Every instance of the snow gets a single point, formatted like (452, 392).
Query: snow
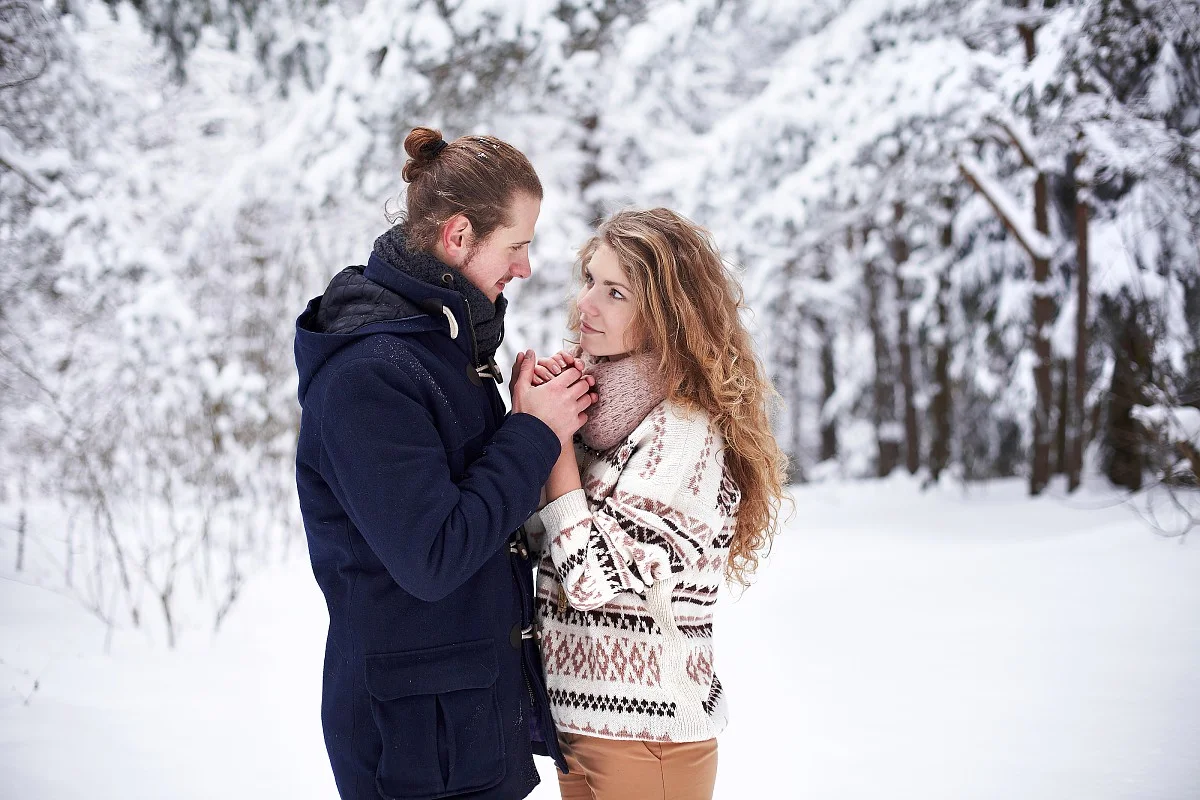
(160, 238)
(947, 644)
(1179, 423)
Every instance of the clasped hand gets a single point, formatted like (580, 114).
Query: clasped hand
(554, 390)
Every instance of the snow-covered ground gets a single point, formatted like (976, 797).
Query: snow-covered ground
(899, 645)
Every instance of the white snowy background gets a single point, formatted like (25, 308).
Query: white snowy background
(177, 179)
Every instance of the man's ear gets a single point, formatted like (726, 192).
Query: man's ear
(457, 237)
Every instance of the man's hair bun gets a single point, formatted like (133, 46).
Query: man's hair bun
(423, 146)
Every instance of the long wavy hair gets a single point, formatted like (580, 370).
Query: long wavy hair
(686, 310)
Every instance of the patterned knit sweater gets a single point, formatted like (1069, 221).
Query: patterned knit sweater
(628, 577)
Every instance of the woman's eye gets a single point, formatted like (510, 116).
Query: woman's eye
(616, 294)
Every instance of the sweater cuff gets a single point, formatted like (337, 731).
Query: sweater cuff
(566, 512)
(542, 440)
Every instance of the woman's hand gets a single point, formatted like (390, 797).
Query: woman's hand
(547, 368)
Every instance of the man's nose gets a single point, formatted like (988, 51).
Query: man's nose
(522, 269)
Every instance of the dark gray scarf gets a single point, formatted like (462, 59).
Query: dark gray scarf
(486, 317)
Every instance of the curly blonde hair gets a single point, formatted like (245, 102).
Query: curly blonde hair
(687, 305)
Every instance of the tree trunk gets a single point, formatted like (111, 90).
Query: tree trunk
(590, 174)
(887, 433)
(1043, 316)
(790, 342)
(1064, 417)
(939, 446)
(1124, 436)
(795, 386)
(1079, 428)
(829, 438)
(912, 436)
(21, 525)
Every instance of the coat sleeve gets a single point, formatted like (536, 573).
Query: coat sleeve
(659, 520)
(386, 463)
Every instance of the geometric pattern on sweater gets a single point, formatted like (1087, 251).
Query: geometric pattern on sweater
(699, 667)
(603, 618)
(611, 704)
(699, 595)
(700, 631)
(629, 575)
(657, 443)
(607, 658)
(693, 481)
(714, 696)
(644, 735)
(727, 502)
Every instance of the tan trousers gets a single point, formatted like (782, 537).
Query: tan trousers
(618, 769)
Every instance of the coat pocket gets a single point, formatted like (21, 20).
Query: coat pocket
(437, 713)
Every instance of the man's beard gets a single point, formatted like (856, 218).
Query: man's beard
(472, 251)
(468, 261)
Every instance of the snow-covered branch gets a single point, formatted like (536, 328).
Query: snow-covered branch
(1037, 244)
(13, 158)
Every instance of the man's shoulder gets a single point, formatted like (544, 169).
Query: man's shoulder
(352, 301)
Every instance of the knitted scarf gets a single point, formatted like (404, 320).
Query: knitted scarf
(629, 389)
(487, 317)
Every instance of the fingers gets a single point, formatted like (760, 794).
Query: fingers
(541, 374)
(578, 390)
(525, 364)
(516, 370)
(585, 400)
(568, 376)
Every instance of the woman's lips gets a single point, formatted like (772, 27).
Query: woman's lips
(583, 326)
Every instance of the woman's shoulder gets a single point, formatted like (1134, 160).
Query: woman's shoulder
(679, 421)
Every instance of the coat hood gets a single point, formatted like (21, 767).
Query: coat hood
(377, 298)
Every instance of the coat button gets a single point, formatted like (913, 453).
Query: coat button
(514, 636)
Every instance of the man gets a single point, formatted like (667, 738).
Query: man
(412, 481)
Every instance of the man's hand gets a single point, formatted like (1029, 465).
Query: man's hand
(560, 402)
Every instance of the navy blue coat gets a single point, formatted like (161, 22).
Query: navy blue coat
(412, 481)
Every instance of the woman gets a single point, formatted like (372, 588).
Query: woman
(674, 484)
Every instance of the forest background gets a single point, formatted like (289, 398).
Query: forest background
(967, 232)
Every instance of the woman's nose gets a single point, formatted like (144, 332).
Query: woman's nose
(585, 303)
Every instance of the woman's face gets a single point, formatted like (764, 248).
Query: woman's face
(606, 307)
